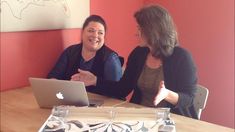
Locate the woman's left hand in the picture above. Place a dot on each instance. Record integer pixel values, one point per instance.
(162, 93)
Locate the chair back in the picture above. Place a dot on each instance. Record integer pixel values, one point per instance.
(200, 99)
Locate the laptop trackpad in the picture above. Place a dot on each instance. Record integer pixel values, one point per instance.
(95, 103)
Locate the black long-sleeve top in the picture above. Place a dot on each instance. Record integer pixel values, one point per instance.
(179, 76)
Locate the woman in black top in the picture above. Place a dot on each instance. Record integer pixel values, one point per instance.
(158, 71)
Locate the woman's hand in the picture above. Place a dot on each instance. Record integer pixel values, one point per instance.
(162, 93)
(166, 94)
(85, 76)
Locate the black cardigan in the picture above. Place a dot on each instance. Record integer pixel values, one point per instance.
(179, 76)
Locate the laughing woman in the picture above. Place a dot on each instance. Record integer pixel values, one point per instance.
(91, 55)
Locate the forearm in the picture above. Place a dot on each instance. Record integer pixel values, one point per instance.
(108, 87)
(172, 97)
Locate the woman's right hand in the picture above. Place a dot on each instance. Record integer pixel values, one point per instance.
(85, 76)
(162, 93)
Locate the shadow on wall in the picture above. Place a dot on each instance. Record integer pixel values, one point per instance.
(28, 54)
(43, 54)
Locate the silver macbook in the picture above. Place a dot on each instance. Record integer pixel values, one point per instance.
(52, 92)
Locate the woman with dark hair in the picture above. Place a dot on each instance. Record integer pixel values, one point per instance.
(159, 72)
(91, 55)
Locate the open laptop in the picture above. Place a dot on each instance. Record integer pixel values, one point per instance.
(52, 92)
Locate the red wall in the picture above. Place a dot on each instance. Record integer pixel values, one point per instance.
(206, 28)
(25, 54)
(121, 23)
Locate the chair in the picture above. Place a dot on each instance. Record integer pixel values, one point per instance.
(200, 99)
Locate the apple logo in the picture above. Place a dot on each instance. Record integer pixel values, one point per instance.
(59, 95)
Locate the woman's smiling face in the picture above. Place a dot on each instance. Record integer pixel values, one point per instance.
(93, 36)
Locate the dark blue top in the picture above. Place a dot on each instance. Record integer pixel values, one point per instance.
(105, 64)
(112, 67)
